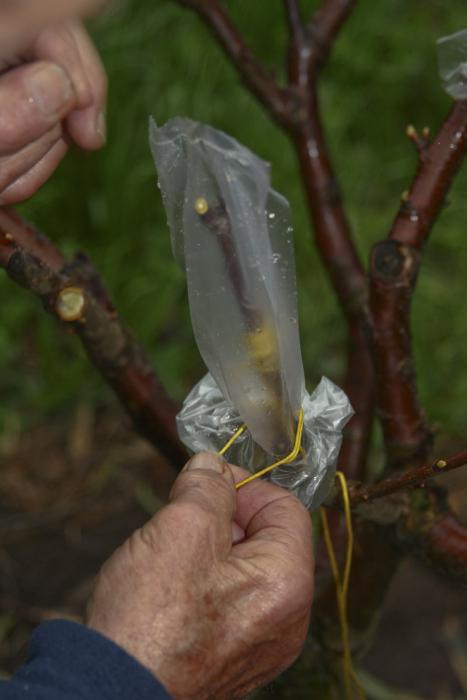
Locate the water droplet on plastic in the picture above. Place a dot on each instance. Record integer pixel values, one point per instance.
(271, 215)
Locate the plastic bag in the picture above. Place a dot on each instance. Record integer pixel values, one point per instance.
(232, 234)
(452, 60)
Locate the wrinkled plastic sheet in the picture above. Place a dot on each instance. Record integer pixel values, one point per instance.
(232, 234)
(452, 61)
(207, 421)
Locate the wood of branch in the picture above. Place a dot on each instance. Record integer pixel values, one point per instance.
(251, 70)
(394, 268)
(74, 293)
(438, 165)
(325, 25)
(406, 479)
(331, 227)
(393, 274)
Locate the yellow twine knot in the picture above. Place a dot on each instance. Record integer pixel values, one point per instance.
(291, 457)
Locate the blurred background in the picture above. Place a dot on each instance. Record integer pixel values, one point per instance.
(63, 440)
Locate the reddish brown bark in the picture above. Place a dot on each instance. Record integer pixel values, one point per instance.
(439, 163)
(393, 274)
(410, 478)
(394, 268)
(32, 261)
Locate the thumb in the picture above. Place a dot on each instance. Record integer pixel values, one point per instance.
(34, 98)
(207, 487)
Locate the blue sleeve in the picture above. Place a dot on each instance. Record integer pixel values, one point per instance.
(68, 661)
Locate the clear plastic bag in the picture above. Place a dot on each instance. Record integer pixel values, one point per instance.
(232, 234)
(452, 61)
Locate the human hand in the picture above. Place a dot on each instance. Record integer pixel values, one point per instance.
(51, 92)
(213, 594)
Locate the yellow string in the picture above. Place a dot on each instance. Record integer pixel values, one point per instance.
(291, 457)
(342, 584)
(342, 589)
(228, 444)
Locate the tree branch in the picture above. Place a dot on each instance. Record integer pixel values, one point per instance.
(294, 18)
(394, 269)
(74, 293)
(407, 479)
(324, 28)
(439, 163)
(255, 76)
(331, 228)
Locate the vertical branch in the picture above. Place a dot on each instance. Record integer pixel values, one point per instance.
(308, 51)
(294, 19)
(394, 269)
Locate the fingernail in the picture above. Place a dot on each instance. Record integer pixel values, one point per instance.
(50, 88)
(206, 460)
(101, 127)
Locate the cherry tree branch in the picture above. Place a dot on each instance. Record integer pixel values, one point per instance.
(438, 164)
(411, 478)
(394, 268)
(74, 293)
(255, 76)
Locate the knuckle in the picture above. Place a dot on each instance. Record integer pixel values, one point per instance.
(194, 515)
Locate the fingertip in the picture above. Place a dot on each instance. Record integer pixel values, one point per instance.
(209, 461)
(87, 129)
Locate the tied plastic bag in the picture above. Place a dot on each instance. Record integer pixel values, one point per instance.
(452, 61)
(232, 234)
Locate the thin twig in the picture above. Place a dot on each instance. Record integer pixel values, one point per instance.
(407, 479)
(294, 19)
(74, 293)
(440, 163)
(255, 76)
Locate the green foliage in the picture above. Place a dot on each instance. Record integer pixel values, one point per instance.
(161, 61)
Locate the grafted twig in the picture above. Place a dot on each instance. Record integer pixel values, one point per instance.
(295, 108)
(74, 293)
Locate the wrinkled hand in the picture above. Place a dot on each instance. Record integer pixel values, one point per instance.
(51, 93)
(213, 594)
